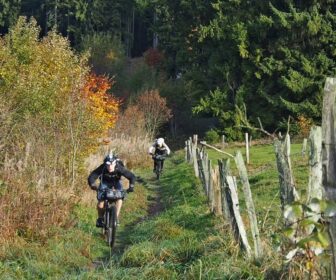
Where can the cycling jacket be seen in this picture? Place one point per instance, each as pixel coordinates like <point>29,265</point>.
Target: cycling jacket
<point>155,149</point>
<point>110,178</point>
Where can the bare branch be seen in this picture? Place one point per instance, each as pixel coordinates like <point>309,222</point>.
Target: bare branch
<point>218,150</point>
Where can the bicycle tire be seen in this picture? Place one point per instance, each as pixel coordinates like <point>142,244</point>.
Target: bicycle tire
<point>157,174</point>
<point>158,169</point>
<point>106,221</point>
<point>112,226</point>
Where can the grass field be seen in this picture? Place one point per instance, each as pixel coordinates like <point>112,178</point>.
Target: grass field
<point>167,231</point>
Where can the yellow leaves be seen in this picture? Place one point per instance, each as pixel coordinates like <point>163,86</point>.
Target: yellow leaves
<point>103,105</point>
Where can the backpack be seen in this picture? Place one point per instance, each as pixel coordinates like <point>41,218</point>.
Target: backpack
<point>120,163</point>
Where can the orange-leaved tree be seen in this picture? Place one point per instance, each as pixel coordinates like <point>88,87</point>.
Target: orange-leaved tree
<point>103,105</point>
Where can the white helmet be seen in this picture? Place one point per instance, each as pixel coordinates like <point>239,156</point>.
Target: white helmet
<point>160,141</point>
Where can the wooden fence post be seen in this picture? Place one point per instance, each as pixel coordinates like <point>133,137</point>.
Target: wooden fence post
<point>329,158</point>
<point>304,147</point>
<point>186,157</point>
<point>199,155</point>
<point>247,148</point>
<point>249,204</point>
<point>315,188</point>
<point>223,142</point>
<point>233,197</point>
<point>216,191</point>
<point>224,172</point>
<point>194,147</point>
<point>204,162</point>
<point>210,187</point>
<point>287,189</point>
<point>190,150</point>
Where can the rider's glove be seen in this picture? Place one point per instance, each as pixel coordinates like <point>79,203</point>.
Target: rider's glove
<point>130,188</point>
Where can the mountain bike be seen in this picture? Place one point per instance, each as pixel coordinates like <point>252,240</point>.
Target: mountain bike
<point>158,165</point>
<point>110,216</point>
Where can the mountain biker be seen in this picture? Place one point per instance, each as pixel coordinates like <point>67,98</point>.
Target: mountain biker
<point>159,147</point>
<point>109,173</point>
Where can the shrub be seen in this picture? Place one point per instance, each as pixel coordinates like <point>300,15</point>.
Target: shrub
<point>153,57</point>
<point>211,136</point>
<point>107,54</point>
<point>155,110</point>
<point>49,130</point>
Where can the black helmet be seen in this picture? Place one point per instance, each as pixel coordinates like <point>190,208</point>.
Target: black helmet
<point>109,159</point>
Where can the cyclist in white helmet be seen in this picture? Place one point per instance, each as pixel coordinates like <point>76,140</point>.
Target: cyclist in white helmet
<point>159,148</point>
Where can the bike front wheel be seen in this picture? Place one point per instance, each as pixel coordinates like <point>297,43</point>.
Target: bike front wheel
<point>112,226</point>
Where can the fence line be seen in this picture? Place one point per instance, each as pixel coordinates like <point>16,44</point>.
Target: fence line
<point>220,186</point>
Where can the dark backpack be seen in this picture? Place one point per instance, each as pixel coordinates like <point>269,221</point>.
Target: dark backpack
<point>120,162</point>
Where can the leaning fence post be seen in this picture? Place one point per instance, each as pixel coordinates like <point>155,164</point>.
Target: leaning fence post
<point>249,204</point>
<point>233,197</point>
<point>329,158</point>
<point>315,188</point>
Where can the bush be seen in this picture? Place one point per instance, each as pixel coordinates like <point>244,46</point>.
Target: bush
<point>107,53</point>
<point>211,136</point>
<point>48,129</point>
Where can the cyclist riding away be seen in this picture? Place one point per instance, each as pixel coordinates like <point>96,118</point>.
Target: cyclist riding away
<point>160,148</point>
<point>109,173</point>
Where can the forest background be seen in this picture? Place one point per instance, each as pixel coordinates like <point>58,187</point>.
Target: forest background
<point>71,70</point>
<point>210,58</point>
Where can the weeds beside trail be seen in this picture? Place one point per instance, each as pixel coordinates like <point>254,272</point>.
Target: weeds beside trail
<point>166,232</point>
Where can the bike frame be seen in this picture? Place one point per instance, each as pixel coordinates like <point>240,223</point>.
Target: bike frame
<point>110,220</point>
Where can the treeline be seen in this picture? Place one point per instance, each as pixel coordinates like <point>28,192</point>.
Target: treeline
<point>78,18</point>
<point>220,59</point>
<point>270,56</point>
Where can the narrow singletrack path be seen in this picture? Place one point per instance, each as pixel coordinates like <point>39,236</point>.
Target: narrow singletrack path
<point>154,207</point>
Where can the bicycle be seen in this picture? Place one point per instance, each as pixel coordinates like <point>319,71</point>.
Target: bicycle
<point>110,216</point>
<point>158,165</point>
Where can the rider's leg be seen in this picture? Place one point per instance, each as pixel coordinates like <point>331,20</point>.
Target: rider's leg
<point>100,209</point>
<point>118,207</point>
<point>119,201</point>
<point>100,206</point>
<point>155,163</point>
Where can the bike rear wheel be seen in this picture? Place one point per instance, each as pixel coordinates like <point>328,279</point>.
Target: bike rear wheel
<point>158,169</point>
<point>106,222</point>
<point>112,226</point>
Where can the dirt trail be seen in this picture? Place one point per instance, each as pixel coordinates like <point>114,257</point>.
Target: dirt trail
<point>155,206</point>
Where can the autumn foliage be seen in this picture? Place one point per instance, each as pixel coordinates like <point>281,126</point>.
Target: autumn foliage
<point>103,105</point>
<point>154,110</point>
<point>153,57</point>
<point>51,113</point>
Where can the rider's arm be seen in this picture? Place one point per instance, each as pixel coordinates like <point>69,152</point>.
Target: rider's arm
<point>151,150</point>
<point>167,148</point>
<point>127,174</point>
<point>94,175</point>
